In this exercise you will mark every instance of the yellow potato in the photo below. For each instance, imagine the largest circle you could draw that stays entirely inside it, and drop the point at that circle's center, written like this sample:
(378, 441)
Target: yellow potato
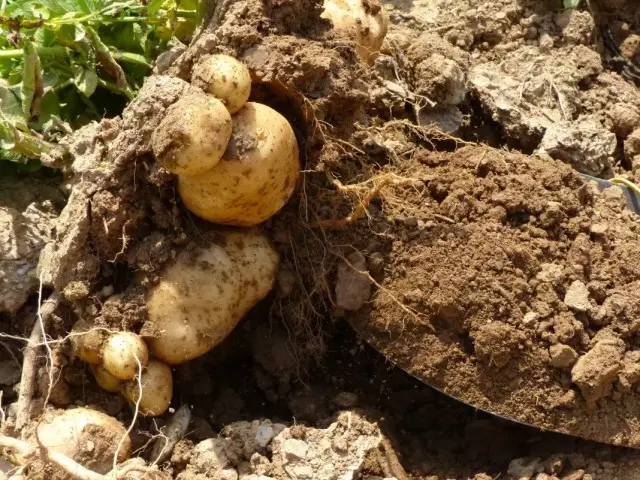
(225, 78)
(364, 20)
(206, 292)
(87, 341)
(193, 135)
(256, 176)
(157, 389)
(105, 379)
(89, 437)
(121, 353)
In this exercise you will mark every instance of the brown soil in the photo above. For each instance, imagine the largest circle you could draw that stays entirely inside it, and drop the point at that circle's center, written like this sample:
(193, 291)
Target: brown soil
(499, 277)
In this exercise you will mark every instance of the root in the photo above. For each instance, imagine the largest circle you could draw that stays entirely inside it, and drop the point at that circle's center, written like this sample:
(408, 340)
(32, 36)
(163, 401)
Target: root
(379, 183)
(173, 433)
(70, 466)
(29, 363)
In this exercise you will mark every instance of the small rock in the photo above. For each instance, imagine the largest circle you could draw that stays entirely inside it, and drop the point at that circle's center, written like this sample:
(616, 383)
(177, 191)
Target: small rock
(295, 449)
(596, 370)
(575, 475)
(264, 434)
(353, 287)
(577, 297)
(562, 356)
(523, 468)
(530, 319)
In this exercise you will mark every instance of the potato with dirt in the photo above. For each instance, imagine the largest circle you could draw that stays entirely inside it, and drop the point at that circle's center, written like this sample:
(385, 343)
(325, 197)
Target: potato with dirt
(256, 176)
(124, 354)
(201, 297)
(157, 389)
(366, 21)
(225, 78)
(87, 436)
(193, 135)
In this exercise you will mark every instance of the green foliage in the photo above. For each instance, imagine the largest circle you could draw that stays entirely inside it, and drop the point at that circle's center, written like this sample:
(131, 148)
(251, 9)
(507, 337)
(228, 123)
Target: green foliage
(64, 63)
(571, 3)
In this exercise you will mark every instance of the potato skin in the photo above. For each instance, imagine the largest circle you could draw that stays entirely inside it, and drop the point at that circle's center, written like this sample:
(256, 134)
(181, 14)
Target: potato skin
(256, 176)
(87, 342)
(206, 292)
(157, 389)
(193, 135)
(225, 78)
(368, 25)
(121, 353)
(71, 432)
(105, 380)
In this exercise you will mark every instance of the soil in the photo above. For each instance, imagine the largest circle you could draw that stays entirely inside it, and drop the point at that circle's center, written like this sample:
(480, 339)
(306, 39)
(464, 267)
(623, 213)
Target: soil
(440, 225)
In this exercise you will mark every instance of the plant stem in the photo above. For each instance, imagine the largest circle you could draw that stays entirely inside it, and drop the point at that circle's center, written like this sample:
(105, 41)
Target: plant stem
(42, 51)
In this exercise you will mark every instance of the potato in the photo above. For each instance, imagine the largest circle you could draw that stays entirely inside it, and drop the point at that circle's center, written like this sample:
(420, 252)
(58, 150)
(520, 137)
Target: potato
(204, 294)
(256, 176)
(193, 135)
(121, 353)
(105, 379)
(224, 77)
(365, 20)
(157, 389)
(87, 342)
(89, 437)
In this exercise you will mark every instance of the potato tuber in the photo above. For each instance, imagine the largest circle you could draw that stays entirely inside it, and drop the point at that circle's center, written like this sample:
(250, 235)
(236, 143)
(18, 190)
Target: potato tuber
(256, 176)
(193, 135)
(225, 78)
(157, 389)
(365, 20)
(205, 293)
(87, 342)
(121, 354)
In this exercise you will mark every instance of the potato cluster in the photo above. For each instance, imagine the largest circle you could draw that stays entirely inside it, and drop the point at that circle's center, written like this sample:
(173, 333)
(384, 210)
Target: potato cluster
(237, 164)
(237, 161)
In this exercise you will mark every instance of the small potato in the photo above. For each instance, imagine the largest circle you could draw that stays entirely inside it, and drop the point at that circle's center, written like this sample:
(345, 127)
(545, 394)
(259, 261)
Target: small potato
(89, 437)
(87, 342)
(157, 389)
(105, 379)
(256, 176)
(206, 292)
(193, 135)
(367, 21)
(121, 353)
(224, 77)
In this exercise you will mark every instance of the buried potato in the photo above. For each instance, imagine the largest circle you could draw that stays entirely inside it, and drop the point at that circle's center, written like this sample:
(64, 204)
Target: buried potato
(157, 389)
(225, 78)
(256, 176)
(201, 297)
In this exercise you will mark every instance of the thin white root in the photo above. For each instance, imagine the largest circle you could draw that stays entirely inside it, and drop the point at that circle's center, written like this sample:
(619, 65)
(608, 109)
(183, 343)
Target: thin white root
(30, 360)
(70, 466)
(173, 433)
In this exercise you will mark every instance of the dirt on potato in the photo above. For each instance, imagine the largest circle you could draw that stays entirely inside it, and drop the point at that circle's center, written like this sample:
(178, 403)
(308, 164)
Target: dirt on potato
(498, 275)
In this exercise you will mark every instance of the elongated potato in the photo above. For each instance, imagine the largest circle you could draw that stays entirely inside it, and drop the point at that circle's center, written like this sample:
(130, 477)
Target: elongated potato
(225, 78)
(89, 437)
(123, 354)
(366, 21)
(157, 389)
(193, 135)
(205, 293)
(256, 176)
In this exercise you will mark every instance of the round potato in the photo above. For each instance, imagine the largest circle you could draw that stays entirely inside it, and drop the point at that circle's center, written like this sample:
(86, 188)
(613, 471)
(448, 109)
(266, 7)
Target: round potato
(193, 135)
(105, 380)
(225, 78)
(89, 437)
(121, 353)
(204, 294)
(366, 21)
(87, 342)
(256, 176)
(157, 389)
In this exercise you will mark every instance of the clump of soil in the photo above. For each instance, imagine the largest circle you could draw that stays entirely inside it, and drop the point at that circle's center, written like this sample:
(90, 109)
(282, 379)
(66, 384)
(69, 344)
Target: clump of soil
(509, 282)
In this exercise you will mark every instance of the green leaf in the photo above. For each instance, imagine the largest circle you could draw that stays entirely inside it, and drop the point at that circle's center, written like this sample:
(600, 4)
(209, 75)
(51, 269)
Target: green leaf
(85, 80)
(12, 106)
(571, 3)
